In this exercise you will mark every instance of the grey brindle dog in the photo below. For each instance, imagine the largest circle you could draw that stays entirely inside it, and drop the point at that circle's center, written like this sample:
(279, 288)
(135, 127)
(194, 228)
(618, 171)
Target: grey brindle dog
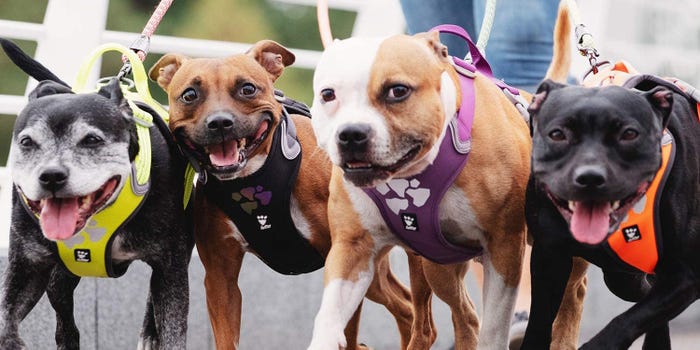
(73, 150)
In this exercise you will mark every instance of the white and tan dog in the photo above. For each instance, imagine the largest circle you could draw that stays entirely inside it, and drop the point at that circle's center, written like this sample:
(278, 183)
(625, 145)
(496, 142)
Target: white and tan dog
(381, 110)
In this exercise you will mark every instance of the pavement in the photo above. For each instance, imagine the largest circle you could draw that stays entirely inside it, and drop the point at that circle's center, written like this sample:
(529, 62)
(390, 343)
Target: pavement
(278, 311)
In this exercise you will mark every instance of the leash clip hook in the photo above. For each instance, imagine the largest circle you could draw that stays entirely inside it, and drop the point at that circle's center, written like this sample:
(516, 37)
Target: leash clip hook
(585, 46)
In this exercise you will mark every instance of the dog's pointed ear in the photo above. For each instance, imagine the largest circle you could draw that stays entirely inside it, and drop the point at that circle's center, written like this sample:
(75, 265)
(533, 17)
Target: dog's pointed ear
(48, 87)
(163, 71)
(661, 99)
(114, 93)
(541, 95)
(433, 40)
(271, 56)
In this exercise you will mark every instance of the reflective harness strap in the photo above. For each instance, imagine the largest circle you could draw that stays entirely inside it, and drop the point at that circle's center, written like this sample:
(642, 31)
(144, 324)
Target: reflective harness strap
(637, 242)
(260, 206)
(410, 206)
(88, 252)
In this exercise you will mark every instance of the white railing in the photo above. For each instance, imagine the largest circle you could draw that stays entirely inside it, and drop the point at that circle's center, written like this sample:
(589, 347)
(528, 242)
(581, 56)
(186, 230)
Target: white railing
(73, 28)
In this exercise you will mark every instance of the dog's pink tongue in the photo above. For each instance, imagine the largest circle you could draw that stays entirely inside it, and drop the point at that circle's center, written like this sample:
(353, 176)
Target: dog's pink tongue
(59, 217)
(590, 222)
(224, 154)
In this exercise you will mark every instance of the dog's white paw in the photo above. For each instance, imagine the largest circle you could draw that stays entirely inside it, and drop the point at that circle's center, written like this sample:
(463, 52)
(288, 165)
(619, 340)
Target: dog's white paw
(328, 337)
(147, 343)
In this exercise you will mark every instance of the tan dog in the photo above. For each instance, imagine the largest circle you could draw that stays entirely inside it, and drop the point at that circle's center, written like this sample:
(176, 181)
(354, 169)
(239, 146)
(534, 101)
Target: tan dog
(381, 109)
(400, 94)
(224, 113)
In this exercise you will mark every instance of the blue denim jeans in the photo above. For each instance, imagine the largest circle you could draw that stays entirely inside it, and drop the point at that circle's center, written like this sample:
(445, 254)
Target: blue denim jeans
(519, 49)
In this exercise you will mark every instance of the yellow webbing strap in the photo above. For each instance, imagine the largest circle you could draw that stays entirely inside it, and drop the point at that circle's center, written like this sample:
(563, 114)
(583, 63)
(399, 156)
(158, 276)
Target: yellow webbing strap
(85, 254)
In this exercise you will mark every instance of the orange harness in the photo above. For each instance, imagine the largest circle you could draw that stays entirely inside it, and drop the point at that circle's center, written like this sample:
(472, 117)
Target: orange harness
(638, 241)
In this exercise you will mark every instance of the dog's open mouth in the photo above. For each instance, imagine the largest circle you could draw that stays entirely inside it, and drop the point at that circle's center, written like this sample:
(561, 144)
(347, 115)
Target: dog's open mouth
(366, 168)
(590, 222)
(229, 155)
(61, 218)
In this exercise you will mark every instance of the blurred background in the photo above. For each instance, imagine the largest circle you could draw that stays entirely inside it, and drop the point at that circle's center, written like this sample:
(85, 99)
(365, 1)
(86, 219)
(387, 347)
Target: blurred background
(658, 37)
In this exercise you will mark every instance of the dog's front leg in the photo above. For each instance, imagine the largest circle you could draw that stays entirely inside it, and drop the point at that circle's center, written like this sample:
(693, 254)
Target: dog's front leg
(499, 292)
(60, 293)
(169, 294)
(671, 294)
(24, 284)
(387, 290)
(550, 269)
(423, 331)
(348, 272)
(447, 282)
(222, 257)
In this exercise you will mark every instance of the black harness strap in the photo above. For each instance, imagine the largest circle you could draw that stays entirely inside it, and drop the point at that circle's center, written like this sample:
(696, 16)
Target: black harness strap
(259, 205)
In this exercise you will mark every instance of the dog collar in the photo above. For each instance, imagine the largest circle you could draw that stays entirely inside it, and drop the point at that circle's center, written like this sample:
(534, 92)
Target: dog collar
(410, 206)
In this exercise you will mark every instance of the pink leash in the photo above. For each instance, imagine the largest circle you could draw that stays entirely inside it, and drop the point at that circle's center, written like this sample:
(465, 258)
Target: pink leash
(142, 44)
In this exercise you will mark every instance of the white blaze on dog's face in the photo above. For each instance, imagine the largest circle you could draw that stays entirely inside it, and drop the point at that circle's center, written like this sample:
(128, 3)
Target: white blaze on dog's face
(70, 156)
(382, 105)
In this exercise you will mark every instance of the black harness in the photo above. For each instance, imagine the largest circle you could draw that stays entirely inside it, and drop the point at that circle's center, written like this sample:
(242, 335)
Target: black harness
(259, 204)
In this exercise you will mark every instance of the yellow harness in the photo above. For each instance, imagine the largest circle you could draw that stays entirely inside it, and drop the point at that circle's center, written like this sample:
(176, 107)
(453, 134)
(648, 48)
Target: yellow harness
(88, 252)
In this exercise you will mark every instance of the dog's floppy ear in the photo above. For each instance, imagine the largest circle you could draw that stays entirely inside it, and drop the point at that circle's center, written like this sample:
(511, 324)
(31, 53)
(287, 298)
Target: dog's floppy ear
(433, 40)
(541, 95)
(538, 99)
(48, 87)
(661, 99)
(113, 92)
(271, 56)
(164, 70)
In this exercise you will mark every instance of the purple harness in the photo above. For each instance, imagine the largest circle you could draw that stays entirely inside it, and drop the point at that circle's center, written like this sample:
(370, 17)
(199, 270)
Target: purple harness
(410, 206)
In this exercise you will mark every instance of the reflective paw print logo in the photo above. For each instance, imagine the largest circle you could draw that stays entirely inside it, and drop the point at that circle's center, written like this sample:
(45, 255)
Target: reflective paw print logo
(250, 197)
(408, 194)
(262, 220)
(92, 231)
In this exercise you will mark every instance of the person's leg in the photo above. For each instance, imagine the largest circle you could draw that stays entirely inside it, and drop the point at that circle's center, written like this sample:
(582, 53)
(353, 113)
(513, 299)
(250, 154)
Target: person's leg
(422, 15)
(520, 45)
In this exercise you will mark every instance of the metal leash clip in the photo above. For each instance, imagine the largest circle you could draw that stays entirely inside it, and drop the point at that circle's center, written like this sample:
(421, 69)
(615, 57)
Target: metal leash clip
(584, 43)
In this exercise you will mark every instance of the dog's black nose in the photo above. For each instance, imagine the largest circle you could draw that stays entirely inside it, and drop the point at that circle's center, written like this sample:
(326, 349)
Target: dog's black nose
(354, 137)
(220, 122)
(53, 179)
(590, 176)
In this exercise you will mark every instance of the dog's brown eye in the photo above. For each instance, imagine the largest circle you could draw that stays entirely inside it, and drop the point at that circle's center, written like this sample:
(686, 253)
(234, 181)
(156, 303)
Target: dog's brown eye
(557, 135)
(26, 142)
(189, 96)
(327, 95)
(248, 90)
(629, 135)
(398, 93)
(91, 140)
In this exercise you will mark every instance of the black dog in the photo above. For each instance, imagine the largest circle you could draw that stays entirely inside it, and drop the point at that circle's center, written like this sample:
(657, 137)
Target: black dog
(595, 153)
(72, 157)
